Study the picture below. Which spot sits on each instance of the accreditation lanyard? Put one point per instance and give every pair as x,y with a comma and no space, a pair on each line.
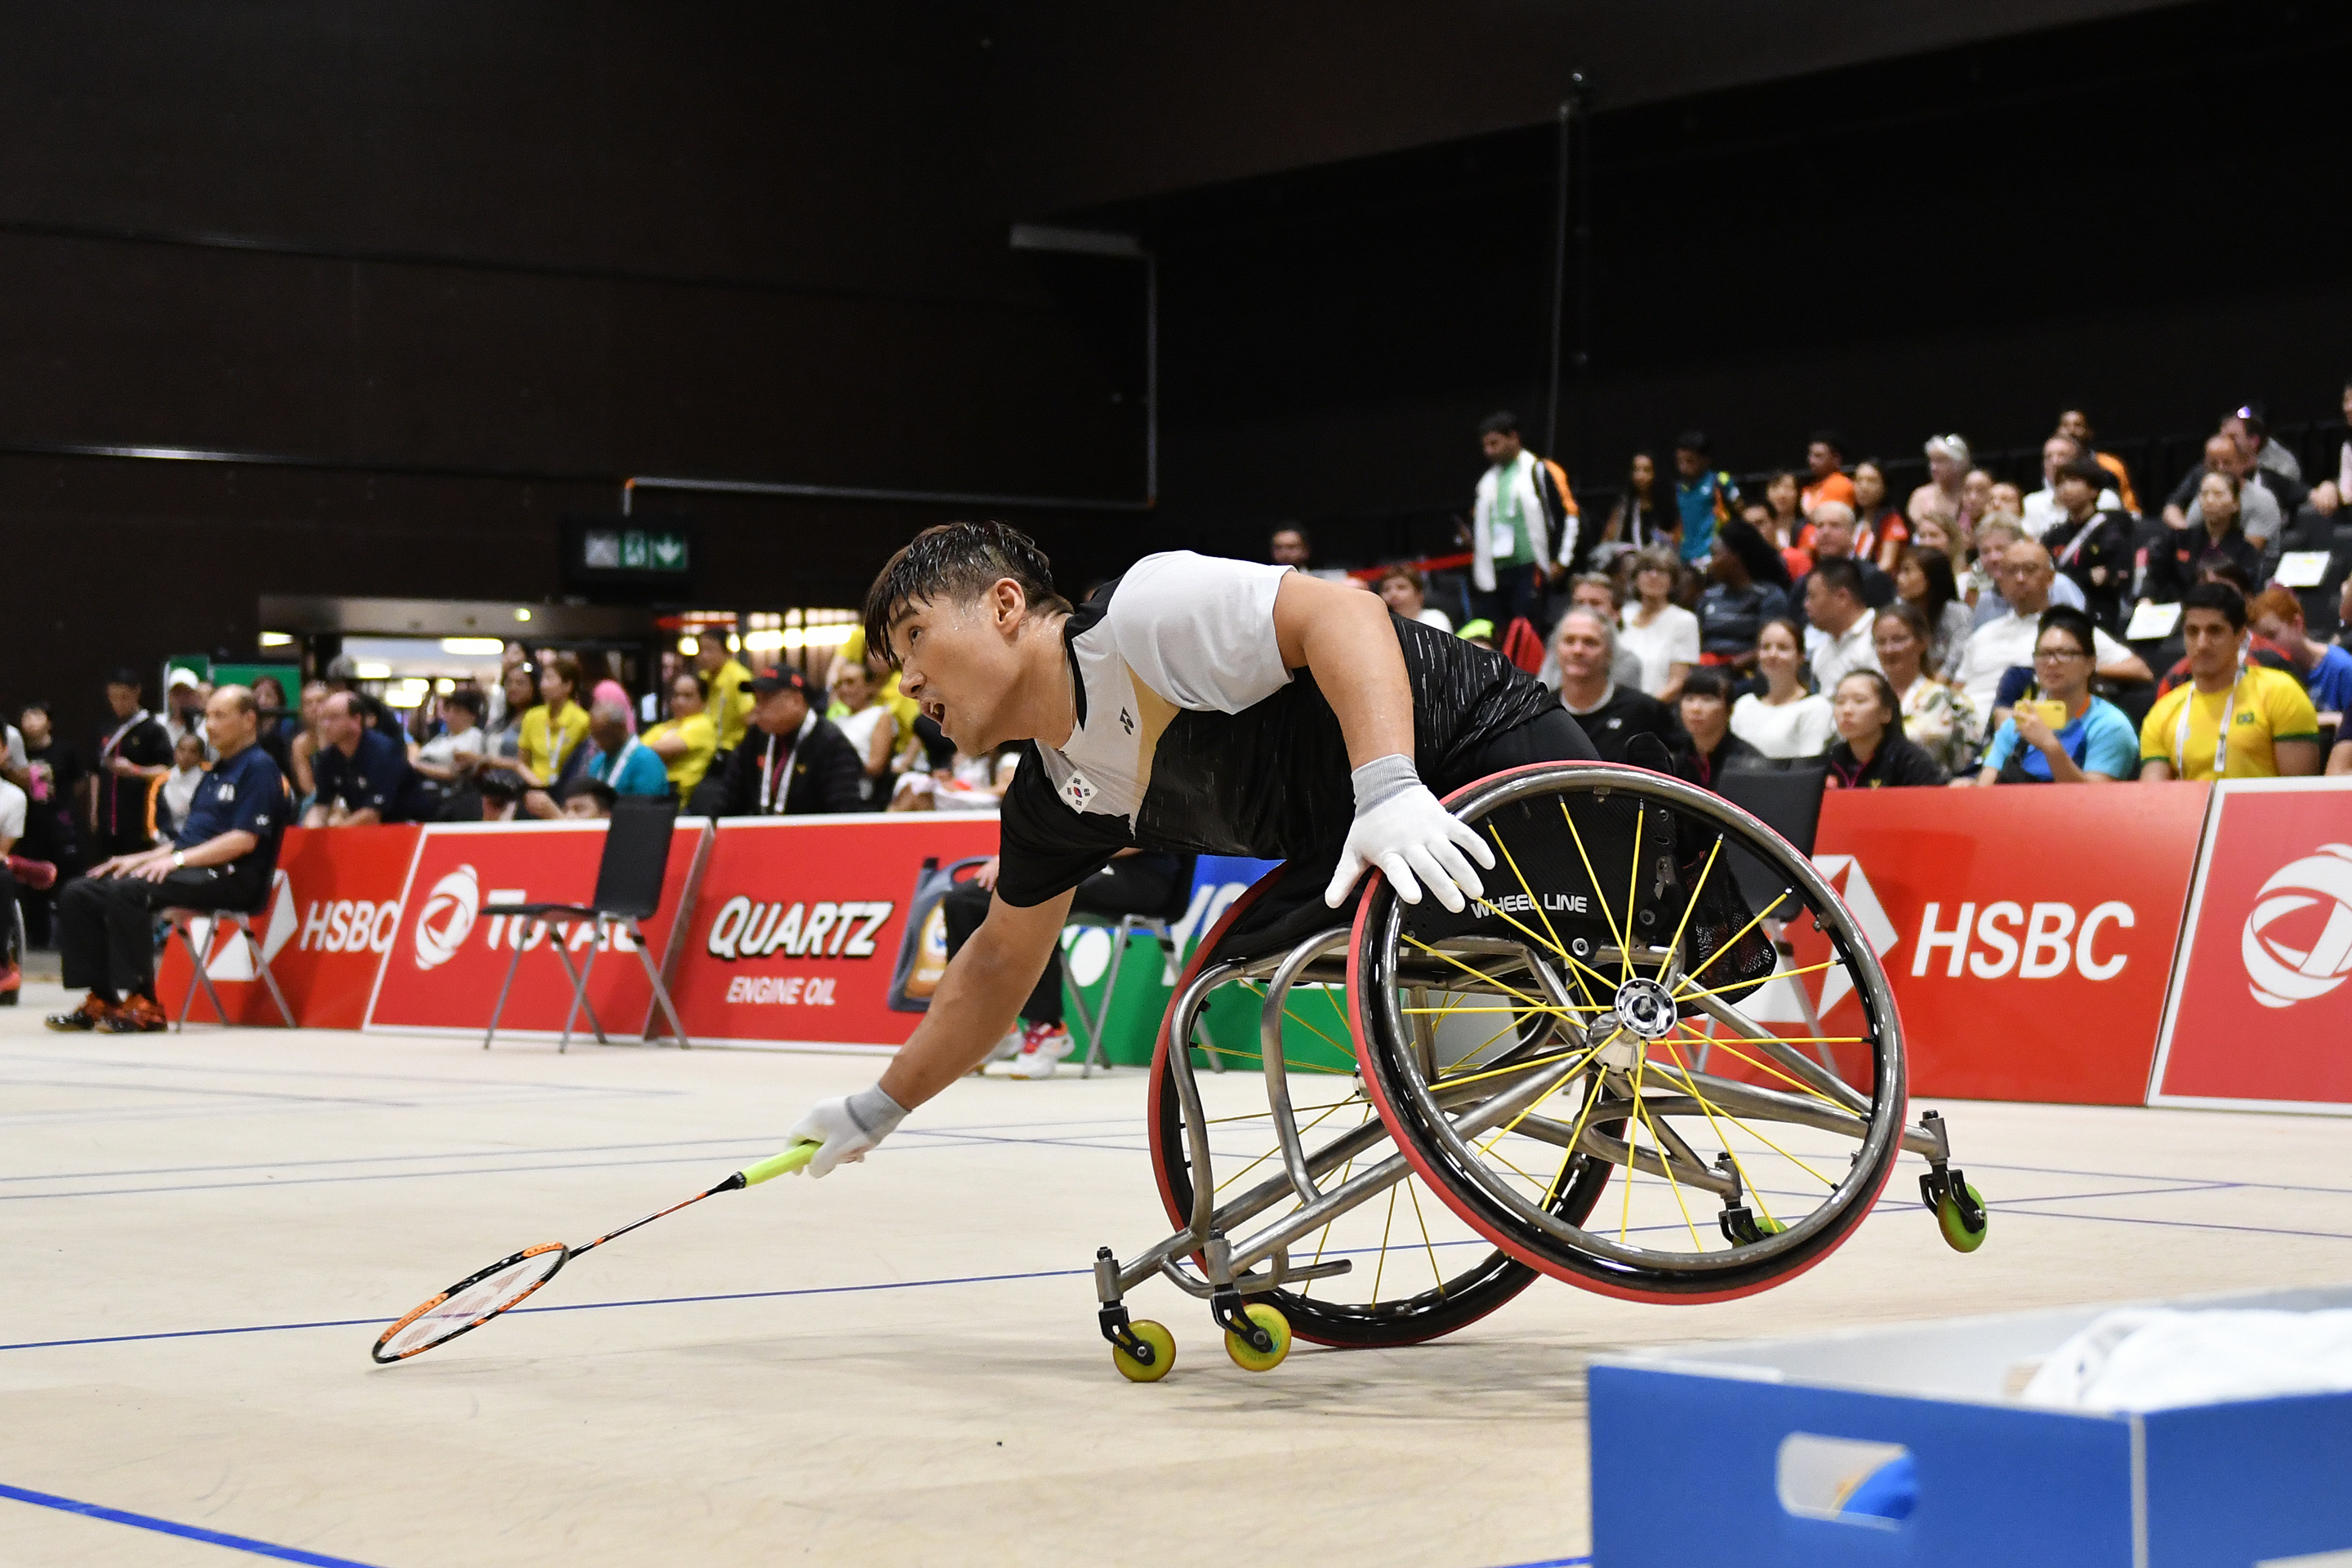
106,751
612,773
773,780
2220,730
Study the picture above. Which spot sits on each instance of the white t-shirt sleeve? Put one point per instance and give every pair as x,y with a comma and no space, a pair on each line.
1682,636
2107,649
12,812
1199,630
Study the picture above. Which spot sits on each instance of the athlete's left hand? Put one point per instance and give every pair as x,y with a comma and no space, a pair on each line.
1414,840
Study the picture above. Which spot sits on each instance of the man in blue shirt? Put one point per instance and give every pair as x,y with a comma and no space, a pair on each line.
1704,495
623,762
220,859
363,775
2325,670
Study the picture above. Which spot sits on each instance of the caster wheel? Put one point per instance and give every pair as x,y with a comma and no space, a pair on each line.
1164,1353
1956,1234
1248,1356
1742,1228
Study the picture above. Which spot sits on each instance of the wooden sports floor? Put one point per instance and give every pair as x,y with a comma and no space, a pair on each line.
202,1233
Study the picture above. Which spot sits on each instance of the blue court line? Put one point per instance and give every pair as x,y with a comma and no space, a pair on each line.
185,1531
1556,1563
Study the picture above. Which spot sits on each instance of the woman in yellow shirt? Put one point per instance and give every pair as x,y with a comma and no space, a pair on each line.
687,739
2272,729
552,732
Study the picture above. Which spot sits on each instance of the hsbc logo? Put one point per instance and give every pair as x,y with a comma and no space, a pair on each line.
742,928
2040,942
2282,975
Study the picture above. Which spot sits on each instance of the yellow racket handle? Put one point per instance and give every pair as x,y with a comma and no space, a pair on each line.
792,1159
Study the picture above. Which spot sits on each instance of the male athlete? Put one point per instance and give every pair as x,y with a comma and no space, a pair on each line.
1193,705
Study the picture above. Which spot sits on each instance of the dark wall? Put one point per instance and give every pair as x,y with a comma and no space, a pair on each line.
2139,214
467,266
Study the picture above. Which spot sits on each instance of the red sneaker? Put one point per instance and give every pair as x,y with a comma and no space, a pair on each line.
137,1016
82,1019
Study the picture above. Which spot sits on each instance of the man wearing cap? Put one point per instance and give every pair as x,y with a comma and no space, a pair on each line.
183,708
793,761
132,758
1704,494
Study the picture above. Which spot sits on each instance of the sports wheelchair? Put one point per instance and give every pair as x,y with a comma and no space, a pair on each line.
1656,988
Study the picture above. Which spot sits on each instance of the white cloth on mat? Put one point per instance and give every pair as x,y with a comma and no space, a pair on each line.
2144,1358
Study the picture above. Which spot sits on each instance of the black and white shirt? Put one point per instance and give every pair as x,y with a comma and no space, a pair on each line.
1193,737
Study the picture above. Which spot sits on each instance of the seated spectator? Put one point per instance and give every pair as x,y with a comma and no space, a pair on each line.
553,732
1872,752
1704,495
1840,622
1923,579
2263,511
2075,424
274,733
589,800
1786,721
1712,750
1644,515
2090,542
1831,539
2325,670
1749,588
502,742
866,723
1880,534
1998,646
607,689
2043,510
14,812
1287,546
2250,430
2255,649
362,774
1936,719
2230,721
343,675
460,736
726,686
179,790
686,740
792,760
53,822
1783,524
1614,716
1825,478
622,763
2328,495
2095,744
1947,465
219,857
1661,635
1407,593
302,743
2173,562
1985,600
1593,592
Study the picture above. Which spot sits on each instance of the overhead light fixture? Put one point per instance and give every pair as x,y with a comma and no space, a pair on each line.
276,639
522,615
372,671
486,648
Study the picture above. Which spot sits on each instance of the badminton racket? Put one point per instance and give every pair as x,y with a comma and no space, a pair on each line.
508,1283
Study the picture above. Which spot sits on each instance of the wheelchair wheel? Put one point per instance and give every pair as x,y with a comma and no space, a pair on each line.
1655,958
1417,1272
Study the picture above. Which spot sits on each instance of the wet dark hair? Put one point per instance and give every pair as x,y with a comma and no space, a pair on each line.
2216,596
956,561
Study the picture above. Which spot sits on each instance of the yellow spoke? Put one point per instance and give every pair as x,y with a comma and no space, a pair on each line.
1573,961
1633,890
1298,1110
1541,913
1535,1002
1288,1017
1512,1126
1624,942
1381,1266
1757,1136
1445,1013
1345,1171
1665,1158
1779,898
1747,1181
1270,1153
1427,1245
1795,1083
1531,1064
1674,946
1682,995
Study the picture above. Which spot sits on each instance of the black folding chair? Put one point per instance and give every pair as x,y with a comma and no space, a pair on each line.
628,892
1789,804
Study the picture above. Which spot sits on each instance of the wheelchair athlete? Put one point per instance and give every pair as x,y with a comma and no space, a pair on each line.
1194,705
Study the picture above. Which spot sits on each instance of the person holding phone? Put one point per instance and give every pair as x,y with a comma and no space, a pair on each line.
2059,732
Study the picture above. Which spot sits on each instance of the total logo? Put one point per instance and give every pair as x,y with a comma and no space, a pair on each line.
743,929
454,905
2282,975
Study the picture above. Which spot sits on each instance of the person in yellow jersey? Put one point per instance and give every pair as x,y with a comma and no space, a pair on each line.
552,735
725,687
2231,719
686,740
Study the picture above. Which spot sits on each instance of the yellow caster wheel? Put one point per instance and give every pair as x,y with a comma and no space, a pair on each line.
1162,1345
1955,1224
1248,1356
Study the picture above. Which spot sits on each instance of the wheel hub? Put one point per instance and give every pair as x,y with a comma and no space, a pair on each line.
1645,1008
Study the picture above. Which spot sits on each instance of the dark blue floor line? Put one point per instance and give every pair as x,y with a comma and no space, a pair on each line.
1556,1563
185,1531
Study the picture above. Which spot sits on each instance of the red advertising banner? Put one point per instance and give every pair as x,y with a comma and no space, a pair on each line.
333,910
800,921
446,960
2028,932
2259,1013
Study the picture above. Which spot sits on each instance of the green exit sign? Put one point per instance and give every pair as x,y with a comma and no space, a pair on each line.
663,551
650,553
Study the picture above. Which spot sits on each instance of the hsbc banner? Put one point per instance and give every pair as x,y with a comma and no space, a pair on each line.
2260,1016
334,908
2028,932
798,921
445,962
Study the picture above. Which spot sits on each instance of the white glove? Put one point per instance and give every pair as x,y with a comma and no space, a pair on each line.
1401,828
847,1127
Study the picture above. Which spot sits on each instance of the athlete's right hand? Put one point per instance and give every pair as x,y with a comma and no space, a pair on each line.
1400,828
846,1128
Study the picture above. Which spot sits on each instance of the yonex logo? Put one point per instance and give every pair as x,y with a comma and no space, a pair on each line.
2282,975
448,917
1127,720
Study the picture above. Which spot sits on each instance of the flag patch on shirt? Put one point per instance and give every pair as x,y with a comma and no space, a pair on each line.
1077,789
